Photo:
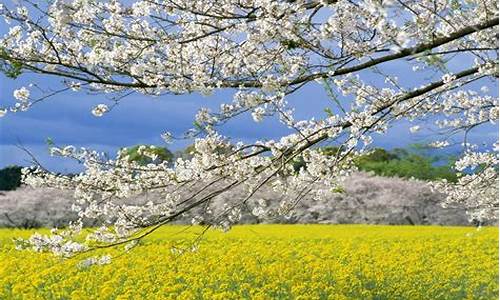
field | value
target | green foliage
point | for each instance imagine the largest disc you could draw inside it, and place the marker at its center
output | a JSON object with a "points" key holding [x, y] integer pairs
{"points": [[163, 154], [455, 4], [380, 155], [189, 151], [298, 164], [332, 150], [333, 96], [404, 163], [434, 60], [186, 153], [10, 68], [50, 142], [10, 178], [290, 45]]}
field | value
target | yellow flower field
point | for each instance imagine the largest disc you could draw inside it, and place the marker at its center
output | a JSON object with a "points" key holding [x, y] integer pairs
{"points": [[270, 262]]}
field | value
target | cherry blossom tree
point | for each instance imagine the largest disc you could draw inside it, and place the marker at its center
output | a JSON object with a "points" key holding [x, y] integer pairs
{"points": [[263, 51]]}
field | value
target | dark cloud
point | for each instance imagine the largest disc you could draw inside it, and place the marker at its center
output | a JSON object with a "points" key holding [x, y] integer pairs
{"points": [[66, 119]]}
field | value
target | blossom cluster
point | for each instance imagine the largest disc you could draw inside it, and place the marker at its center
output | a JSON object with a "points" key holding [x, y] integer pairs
{"points": [[477, 186]]}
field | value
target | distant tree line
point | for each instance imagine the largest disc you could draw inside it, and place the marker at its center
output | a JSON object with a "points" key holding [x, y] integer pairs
{"points": [[398, 162], [10, 178], [407, 164]]}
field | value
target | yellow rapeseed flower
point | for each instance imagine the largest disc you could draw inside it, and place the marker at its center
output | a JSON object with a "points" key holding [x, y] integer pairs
{"points": [[270, 262]]}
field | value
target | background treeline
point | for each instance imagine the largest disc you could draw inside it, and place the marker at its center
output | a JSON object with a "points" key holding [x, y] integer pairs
{"points": [[10, 178], [407, 164], [413, 162]]}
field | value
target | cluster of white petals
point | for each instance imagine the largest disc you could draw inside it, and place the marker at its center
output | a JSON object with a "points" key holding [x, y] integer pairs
{"points": [[102, 260], [100, 110], [477, 187], [22, 96]]}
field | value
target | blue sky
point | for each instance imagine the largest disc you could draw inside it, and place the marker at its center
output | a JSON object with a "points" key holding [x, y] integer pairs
{"points": [[139, 119], [67, 119]]}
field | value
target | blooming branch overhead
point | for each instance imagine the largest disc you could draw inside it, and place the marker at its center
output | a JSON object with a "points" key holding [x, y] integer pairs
{"points": [[264, 51]]}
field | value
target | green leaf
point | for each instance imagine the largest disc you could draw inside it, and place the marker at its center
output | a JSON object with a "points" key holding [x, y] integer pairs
{"points": [[49, 142], [9, 67], [338, 190], [290, 45]]}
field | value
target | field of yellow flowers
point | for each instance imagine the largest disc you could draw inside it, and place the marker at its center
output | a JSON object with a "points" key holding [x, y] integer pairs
{"points": [[269, 262]]}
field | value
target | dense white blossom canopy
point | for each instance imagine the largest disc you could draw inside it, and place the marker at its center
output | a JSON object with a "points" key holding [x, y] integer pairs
{"points": [[262, 50]]}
